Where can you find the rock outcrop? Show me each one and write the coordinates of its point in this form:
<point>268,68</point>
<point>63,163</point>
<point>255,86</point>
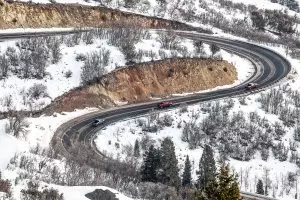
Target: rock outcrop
<point>29,15</point>
<point>144,81</point>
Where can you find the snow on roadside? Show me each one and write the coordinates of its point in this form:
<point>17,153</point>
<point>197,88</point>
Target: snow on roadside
<point>40,131</point>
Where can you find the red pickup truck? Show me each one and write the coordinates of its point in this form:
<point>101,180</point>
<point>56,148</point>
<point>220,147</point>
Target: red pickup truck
<point>164,105</point>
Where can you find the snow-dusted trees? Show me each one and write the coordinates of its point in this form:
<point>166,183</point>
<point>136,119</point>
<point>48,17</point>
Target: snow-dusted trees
<point>186,176</point>
<point>151,165</point>
<point>17,125</point>
<point>5,186</point>
<point>130,3</point>
<point>37,90</point>
<point>168,40</point>
<point>169,169</point>
<point>4,66</point>
<point>136,150</point>
<point>258,20</point>
<point>160,165</point>
<point>271,101</point>
<point>207,168</point>
<point>31,58</point>
<point>13,57</point>
<point>32,192</point>
<point>291,4</point>
<point>260,187</point>
<point>223,186</point>
<point>94,65</point>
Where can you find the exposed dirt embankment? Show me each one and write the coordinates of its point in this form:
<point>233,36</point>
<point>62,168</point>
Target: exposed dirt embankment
<point>28,15</point>
<point>143,81</point>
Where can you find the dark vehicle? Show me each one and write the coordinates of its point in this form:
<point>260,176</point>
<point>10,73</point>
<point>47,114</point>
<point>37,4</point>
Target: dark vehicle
<point>97,122</point>
<point>251,86</point>
<point>164,105</point>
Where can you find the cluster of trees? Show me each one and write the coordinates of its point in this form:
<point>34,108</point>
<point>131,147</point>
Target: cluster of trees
<point>160,165</point>
<point>32,193</point>
<point>275,20</point>
<point>239,135</point>
<point>31,57</point>
<point>291,4</point>
<point>5,186</point>
<point>95,65</point>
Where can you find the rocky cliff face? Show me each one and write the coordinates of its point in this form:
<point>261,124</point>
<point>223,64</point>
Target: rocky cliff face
<point>28,15</point>
<point>143,81</point>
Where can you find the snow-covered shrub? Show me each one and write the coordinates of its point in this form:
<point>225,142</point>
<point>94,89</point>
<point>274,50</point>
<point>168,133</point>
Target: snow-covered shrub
<point>94,65</point>
<point>271,101</point>
<point>74,39</point>
<point>38,90</point>
<point>13,57</point>
<point>80,57</point>
<point>4,66</point>
<point>17,125</point>
<point>68,74</point>
<point>166,120</point>
<point>168,40</point>
<point>128,49</point>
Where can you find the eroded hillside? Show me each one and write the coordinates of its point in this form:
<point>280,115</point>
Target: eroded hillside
<point>144,81</point>
<point>29,15</point>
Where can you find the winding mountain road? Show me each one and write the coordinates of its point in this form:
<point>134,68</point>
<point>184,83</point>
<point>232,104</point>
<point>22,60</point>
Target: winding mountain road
<point>270,68</point>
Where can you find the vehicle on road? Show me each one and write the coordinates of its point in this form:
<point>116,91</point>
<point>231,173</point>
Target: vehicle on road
<point>251,86</point>
<point>164,105</point>
<point>97,122</point>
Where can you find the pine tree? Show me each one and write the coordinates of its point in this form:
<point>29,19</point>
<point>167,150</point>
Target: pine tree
<point>223,187</point>
<point>136,150</point>
<point>207,168</point>
<point>150,165</point>
<point>260,187</point>
<point>186,176</point>
<point>169,171</point>
<point>228,187</point>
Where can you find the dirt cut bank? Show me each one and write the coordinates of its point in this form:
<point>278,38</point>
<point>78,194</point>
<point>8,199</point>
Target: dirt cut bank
<point>144,81</point>
<point>29,15</point>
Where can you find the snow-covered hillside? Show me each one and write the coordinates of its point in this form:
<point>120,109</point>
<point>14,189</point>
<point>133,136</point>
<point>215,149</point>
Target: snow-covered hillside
<point>39,131</point>
<point>276,161</point>
<point>263,137</point>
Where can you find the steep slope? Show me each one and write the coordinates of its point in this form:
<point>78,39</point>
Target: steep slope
<point>144,81</point>
<point>28,15</point>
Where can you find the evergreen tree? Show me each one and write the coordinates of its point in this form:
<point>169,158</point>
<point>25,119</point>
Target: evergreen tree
<point>186,176</point>
<point>150,165</point>
<point>207,168</point>
<point>228,187</point>
<point>224,187</point>
<point>260,187</point>
<point>136,150</point>
<point>169,171</point>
